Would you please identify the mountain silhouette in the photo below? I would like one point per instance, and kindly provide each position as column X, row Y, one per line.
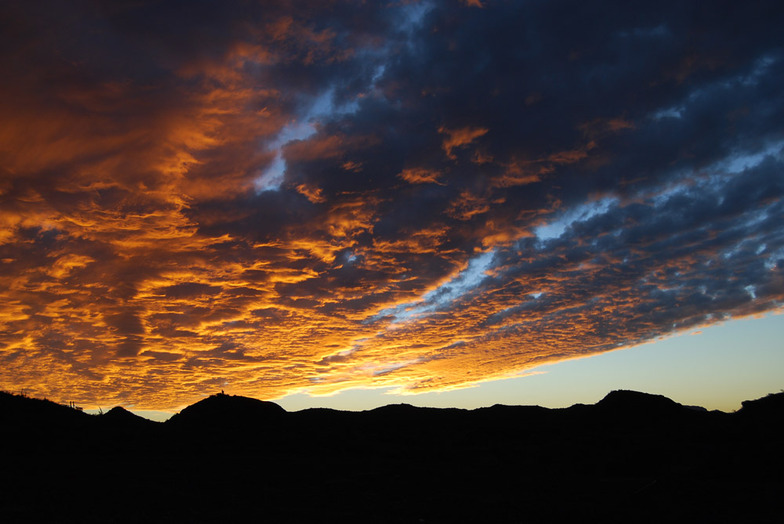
column 119, row 417
column 22, row 415
column 625, row 401
column 227, row 411
column 770, row 406
column 633, row 407
column 630, row 457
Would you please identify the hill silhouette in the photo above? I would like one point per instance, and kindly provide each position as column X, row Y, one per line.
column 630, row 457
column 770, row 407
column 23, row 410
column 637, row 402
column 227, row 412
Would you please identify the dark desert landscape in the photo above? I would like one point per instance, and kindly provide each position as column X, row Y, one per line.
column 557, row 224
column 632, row 457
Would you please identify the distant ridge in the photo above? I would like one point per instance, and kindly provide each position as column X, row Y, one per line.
column 119, row 416
column 236, row 410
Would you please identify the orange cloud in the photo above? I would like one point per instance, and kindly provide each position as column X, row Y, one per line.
column 420, row 175
column 352, row 166
column 323, row 147
column 467, row 206
column 460, row 137
column 520, row 173
column 313, row 194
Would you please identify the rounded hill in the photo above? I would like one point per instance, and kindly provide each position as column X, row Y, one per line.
column 228, row 411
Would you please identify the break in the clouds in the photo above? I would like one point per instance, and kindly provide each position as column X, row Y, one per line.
column 278, row 197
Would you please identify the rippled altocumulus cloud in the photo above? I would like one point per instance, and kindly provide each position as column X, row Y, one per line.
column 334, row 194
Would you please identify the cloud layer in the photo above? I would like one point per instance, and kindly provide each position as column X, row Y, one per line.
column 272, row 198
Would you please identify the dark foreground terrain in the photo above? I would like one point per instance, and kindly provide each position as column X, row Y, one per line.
column 632, row 457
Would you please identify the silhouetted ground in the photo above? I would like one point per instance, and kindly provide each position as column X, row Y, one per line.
column 632, row 457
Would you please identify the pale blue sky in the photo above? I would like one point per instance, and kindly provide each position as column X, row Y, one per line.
column 716, row 367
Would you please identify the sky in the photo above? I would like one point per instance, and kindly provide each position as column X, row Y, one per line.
column 454, row 202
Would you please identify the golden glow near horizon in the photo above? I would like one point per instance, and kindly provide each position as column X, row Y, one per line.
column 285, row 207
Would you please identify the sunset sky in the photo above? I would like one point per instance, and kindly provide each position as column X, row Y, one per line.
column 293, row 199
